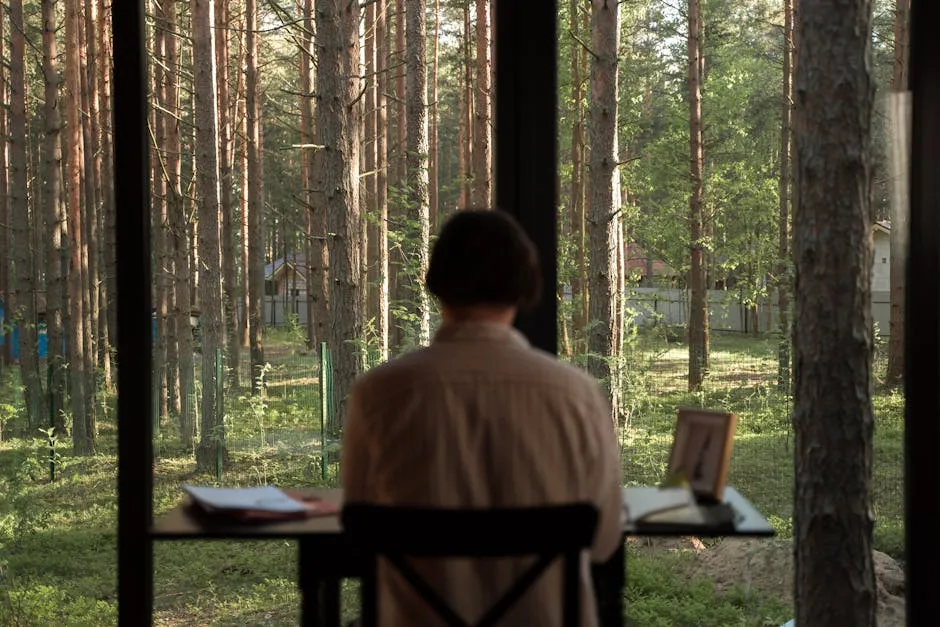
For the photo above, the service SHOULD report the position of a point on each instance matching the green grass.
(58, 540)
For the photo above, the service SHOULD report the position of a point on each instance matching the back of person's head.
(483, 258)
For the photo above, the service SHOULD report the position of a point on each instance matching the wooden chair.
(397, 533)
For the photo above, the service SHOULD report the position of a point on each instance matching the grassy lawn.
(57, 539)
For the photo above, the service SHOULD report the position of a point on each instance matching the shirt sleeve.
(605, 482)
(354, 468)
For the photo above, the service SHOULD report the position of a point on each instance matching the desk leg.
(609, 588)
(319, 596)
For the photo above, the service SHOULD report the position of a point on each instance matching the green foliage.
(656, 599)
(38, 605)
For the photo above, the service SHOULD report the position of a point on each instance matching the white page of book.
(641, 502)
(264, 499)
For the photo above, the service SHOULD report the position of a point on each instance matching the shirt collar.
(480, 331)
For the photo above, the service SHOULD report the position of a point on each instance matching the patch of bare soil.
(766, 565)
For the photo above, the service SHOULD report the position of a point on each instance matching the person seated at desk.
(481, 419)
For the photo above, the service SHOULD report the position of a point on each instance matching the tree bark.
(338, 119)
(24, 311)
(158, 219)
(5, 213)
(55, 218)
(833, 416)
(784, 282)
(433, 148)
(605, 197)
(482, 155)
(418, 243)
(6, 229)
(82, 439)
(226, 198)
(255, 169)
(698, 310)
(381, 176)
(90, 235)
(576, 198)
(91, 132)
(179, 236)
(306, 164)
(397, 211)
(108, 287)
(899, 205)
(370, 258)
(211, 450)
(467, 115)
(244, 220)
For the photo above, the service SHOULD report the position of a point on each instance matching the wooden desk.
(326, 557)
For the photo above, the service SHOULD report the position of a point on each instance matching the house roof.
(294, 261)
(636, 260)
(883, 226)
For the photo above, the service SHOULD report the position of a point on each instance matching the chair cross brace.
(433, 599)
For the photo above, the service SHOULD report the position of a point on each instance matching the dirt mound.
(766, 565)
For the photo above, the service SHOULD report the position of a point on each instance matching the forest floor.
(58, 538)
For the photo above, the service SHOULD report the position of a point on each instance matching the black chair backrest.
(396, 532)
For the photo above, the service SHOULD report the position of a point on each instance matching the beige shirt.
(481, 419)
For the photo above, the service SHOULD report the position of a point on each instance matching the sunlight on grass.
(58, 539)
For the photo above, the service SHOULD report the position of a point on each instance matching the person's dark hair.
(483, 257)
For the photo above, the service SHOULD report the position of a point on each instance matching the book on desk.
(673, 508)
(256, 504)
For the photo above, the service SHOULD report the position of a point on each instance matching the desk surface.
(748, 521)
(184, 522)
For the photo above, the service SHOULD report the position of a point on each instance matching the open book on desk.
(266, 503)
(673, 509)
(653, 503)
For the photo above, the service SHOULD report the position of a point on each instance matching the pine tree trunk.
(306, 167)
(255, 181)
(158, 219)
(92, 133)
(244, 322)
(23, 313)
(82, 439)
(108, 287)
(467, 116)
(833, 415)
(90, 225)
(784, 284)
(211, 450)
(5, 212)
(338, 119)
(52, 159)
(369, 180)
(226, 199)
(698, 310)
(605, 196)
(482, 155)
(381, 178)
(576, 197)
(180, 243)
(900, 200)
(397, 212)
(433, 156)
(167, 349)
(582, 248)
(418, 243)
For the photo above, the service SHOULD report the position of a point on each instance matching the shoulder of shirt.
(399, 367)
(542, 366)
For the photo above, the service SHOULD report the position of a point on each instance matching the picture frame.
(701, 450)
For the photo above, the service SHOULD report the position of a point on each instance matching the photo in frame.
(701, 450)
